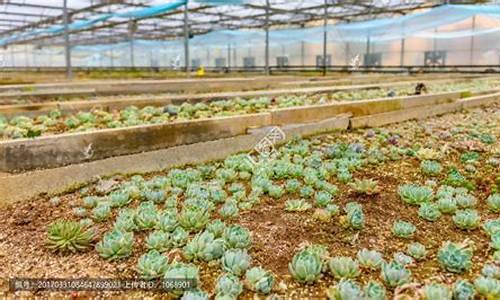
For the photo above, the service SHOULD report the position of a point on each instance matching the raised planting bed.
(123, 99)
(64, 149)
(122, 113)
(408, 210)
(40, 92)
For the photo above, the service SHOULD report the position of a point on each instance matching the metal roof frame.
(18, 16)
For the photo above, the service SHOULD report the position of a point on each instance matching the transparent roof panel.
(19, 18)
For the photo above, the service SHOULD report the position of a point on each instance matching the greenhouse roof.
(111, 21)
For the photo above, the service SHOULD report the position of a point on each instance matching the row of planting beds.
(57, 122)
(408, 210)
(71, 148)
(90, 89)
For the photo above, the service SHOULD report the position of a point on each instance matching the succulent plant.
(167, 221)
(193, 219)
(182, 271)
(492, 226)
(322, 198)
(259, 280)
(152, 265)
(493, 202)
(455, 257)
(198, 204)
(156, 196)
(125, 220)
(332, 209)
(456, 179)
(297, 205)
(195, 295)
(365, 186)
(236, 261)
(344, 176)
(216, 227)
(292, 185)
(371, 259)
(447, 205)
(436, 291)
(491, 270)
(276, 191)
(343, 267)
(465, 201)
(119, 198)
(305, 266)
(428, 154)
(319, 250)
(445, 191)
(68, 236)
(429, 212)
(467, 219)
(217, 194)
(495, 241)
(179, 237)
(228, 284)
(402, 258)
(237, 237)
(146, 216)
(417, 251)
(115, 245)
(101, 212)
(468, 157)
(430, 167)
(415, 194)
(236, 187)
(158, 240)
(204, 246)
(306, 191)
(86, 222)
(345, 289)
(229, 210)
(488, 288)
(496, 256)
(355, 218)
(374, 290)
(403, 229)
(395, 274)
(463, 290)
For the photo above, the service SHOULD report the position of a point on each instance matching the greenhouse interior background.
(232, 34)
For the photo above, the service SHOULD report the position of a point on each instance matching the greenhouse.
(249, 149)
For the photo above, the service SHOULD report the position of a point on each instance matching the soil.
(276, 234)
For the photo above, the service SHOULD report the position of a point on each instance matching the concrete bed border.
(109, 87)
(70, 148)
(121, 84)
(58, 180)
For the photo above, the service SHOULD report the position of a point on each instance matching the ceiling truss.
(19, 16)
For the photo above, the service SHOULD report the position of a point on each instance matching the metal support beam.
(402, 53)
(229, 56)
(186, 40)
(12, 57)
(208, 58)
(26, 58)
(132, 27)
(302, 53)
(325, 23)
(471, 50)
(267, 37)
(347, 53)
(67, 46)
